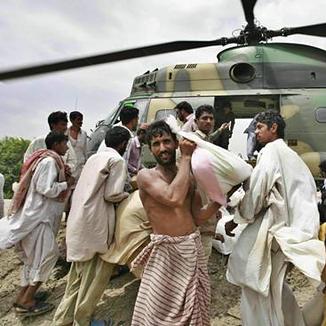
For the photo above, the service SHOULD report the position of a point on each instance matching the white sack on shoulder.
(228, 168)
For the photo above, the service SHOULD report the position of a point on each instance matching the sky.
(38, 31)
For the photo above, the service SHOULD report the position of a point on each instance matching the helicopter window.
(247, 106)
(110, 118)
(320, 115)
(141, 105)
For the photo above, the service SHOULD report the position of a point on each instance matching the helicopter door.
(243, 109)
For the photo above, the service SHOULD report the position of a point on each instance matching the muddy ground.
(120, 295)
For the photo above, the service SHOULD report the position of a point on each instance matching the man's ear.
(274, 128)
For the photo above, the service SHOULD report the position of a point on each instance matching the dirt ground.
(120, 295)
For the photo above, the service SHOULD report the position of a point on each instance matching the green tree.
(12, 151)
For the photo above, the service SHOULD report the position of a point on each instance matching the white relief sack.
(215, 169)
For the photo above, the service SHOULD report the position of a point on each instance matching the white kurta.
(281, 209)
(34, 227)
(80, 148)
(91, 220)
(39, 143)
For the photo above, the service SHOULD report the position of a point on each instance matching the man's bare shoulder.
(145, 174)
(148, 177)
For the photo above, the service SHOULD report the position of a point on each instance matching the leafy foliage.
(12, 151)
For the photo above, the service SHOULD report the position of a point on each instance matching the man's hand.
(224, 126)
(67, 170)
(187, 147)
(70, 181)
(229, 227)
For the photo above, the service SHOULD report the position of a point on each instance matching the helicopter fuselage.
(290, 78)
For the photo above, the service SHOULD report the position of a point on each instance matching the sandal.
(38, 308)
(39, 296)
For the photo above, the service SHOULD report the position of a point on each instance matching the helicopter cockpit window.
(141, 105)
(107, 121)
(320, 114)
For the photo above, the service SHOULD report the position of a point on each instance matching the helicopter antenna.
(76, 103)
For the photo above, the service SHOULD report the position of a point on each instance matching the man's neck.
(128, 126)
(201, 134)
(77, 129)
(273, 139)
(167, 169)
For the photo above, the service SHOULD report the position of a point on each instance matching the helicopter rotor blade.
(313, 30)
(112, 57)
(248, 8)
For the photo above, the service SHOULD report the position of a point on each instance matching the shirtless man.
(175, 287)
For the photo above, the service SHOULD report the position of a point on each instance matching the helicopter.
(254, 75)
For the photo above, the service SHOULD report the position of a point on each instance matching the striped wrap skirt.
(175, 288)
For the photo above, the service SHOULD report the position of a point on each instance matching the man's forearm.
(178, 188)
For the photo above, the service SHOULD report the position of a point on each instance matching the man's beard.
(171, 161)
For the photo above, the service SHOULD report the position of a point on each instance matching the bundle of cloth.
(215, 169)
(132, 232)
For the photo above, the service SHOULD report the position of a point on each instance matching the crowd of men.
(163, 230)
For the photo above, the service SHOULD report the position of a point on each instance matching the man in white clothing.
(185, 114)
(280, 208)
(33, 220)
(57, 122)
(78, 140)
(90, 229)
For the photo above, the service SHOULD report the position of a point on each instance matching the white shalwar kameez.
(34, 227)
(281, 209)
(80, 148)
(90, 226)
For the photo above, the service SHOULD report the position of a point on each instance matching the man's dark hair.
(127, 114)
(204, 109)
(157, 129)
(184, 106)
(322, 166)
(116, 136)
(226, 104)
(141, 131)
(271, 116)
(74, 115)
(54, 137)
(56, 117)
